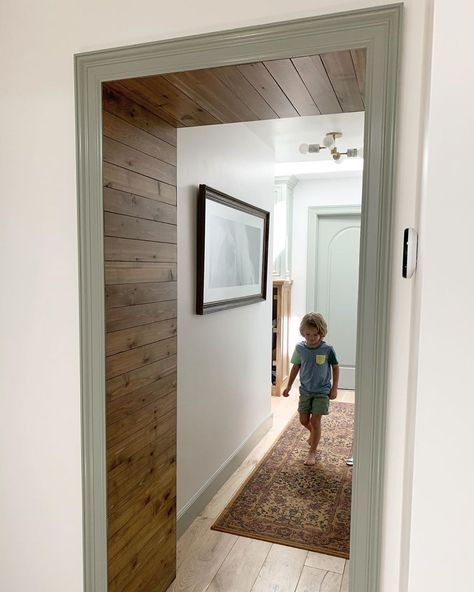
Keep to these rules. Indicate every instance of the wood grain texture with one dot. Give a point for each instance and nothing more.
(140, 256)
(128, 339)
(282, 565)
(142, 314)
(116, 102)
(128, 158)
(177, 103)
(128, 204)
(208, 91)
(264, 83)
(119, 295)
(137, 228)
(311, 580)
(359, 59)
(239, 85)
(241, 566)
(134, 184)
(125, 249)
(340, 69)
(123, 272)
(288, 78)
(126, 133)
(316, 80)
(139, 357)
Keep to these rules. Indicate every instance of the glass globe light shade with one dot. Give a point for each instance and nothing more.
(337, 158)
(328, 141)
(304, 148)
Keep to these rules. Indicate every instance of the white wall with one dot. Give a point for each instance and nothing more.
(40, 493)
(443, 481)
(224, 381)
(335, 191)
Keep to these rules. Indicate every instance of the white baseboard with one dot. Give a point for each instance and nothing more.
(204, 495)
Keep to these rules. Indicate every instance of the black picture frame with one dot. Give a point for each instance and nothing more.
(232, 252)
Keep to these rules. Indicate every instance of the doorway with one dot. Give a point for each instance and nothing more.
(308, 36)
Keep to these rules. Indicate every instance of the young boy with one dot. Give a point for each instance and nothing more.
(316, 359)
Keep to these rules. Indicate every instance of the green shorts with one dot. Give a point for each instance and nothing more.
(316, 403)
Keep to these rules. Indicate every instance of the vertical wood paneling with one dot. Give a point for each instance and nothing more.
(140, 315)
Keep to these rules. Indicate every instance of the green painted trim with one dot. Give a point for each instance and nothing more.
(314, 213)
(202, 497)
(377, 29)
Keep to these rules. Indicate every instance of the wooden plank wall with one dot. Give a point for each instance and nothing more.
(139, 168)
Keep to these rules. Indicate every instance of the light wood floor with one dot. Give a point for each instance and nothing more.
(211, 561)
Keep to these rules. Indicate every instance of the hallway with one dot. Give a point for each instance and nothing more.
(211, 561)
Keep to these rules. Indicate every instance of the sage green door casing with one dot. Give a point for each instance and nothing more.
(377, 29)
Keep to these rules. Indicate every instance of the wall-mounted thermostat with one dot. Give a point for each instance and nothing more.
(410, 252)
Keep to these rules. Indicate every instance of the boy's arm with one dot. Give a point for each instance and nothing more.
(335, 381)
(293, 374)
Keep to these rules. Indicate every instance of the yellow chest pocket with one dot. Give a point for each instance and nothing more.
(320, 359)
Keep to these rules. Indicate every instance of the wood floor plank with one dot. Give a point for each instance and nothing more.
(311, 579)
(125, 272)
(241, 567)
(345, 578)
(138, 162)
(116, 102)
(332, 582)
(325, 562)
(283, 565)
(134, 184)
(199, 568)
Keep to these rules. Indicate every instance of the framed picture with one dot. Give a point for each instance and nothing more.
(232, 252)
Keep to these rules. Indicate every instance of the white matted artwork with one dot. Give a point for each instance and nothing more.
(232, 252)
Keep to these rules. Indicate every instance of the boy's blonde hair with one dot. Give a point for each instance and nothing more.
(316, 321)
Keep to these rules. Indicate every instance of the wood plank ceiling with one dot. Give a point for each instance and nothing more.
(296, 87)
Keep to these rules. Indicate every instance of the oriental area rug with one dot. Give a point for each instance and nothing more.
(285, 502)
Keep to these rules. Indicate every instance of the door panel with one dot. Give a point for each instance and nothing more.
(336, 286)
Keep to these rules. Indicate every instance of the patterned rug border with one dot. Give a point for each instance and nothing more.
(270, 539)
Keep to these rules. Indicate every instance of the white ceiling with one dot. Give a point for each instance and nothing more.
(286, 135)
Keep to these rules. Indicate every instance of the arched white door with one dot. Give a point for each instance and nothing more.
(334, 238)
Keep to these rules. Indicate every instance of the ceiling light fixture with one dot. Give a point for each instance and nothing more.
(329, 143)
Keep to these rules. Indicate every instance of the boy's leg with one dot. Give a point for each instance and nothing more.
(315, 426)
(305, 420)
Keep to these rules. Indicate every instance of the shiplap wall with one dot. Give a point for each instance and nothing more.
(139, 169)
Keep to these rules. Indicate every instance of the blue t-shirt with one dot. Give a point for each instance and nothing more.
(315, 362)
